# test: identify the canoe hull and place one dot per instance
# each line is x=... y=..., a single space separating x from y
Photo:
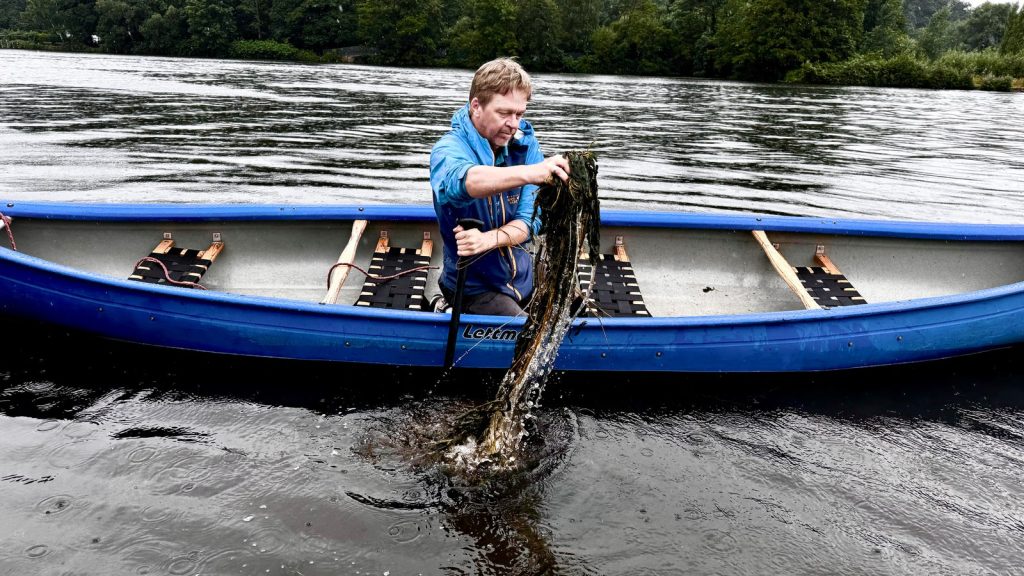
x=793 y=341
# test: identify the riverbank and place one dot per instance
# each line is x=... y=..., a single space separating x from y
x=238 y=50
x=952 y=71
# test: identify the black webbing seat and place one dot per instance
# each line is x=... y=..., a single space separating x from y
x=615 y=291
x=827 y=289
x=404 y=292
x=183 y=264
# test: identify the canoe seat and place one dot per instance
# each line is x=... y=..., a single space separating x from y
x=405 y=292
x=827 y=288
x=184 y=265
x=615 y=291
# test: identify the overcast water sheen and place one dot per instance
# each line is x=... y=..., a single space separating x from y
x=120 y=460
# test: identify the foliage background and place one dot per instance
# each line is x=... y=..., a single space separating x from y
x=888 y=42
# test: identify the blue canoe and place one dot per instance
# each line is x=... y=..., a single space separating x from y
x=698 y=293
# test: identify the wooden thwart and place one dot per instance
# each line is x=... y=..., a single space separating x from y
x=784 y=269
x=212 y=252
x=348 y=256
x=427 y=246
x=826 y=263
x=164 y=247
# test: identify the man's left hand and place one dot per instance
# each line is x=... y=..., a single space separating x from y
x=473 y=242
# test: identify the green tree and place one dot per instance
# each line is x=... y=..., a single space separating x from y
x=10 y=13
x=763 y=39
x=939 y=36
x=67 y=20
x=538 y=28
x=639 y=42
x=404 y=32
x=920 y=12
x=487 y=31
x=985 y=26
x=694 y=23
x=211 y=27
x=118 y=23
x=1013 y=38
x=579 y=18
x=252 y=18
x=885 y=28
x=165 y=32
x=311 y=24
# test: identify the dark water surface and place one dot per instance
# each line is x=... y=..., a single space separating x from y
x=119 y=460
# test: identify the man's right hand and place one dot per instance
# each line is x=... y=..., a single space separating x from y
x=552 y=167
x=484 y=181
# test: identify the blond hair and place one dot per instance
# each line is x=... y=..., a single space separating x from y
x=499 y=76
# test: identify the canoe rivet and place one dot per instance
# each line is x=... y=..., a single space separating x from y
x=658 y=354
x=100 y=308
x=899 y=338
x=603 y=355
x=347 y=344
x=360 y=208
x=10 y=204
x=403 y=346
x=850 y=344
x=151 y=318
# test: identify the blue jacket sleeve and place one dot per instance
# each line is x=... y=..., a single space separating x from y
x=528 y=197
x=448 y=166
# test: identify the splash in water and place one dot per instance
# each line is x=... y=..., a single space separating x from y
x=570 y=227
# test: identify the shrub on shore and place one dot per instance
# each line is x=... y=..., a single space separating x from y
x=985 y=62
x=31 y=40
x=269 y=50
x=997 y=83
x=986 y=70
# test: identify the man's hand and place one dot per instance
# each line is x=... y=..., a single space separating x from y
x=473 y=242
x=552 y=167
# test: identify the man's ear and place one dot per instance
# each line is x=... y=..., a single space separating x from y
x=474 y=106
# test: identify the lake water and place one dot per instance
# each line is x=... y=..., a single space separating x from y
x=120 y=460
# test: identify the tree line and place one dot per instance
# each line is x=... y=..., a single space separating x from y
x=744 y=39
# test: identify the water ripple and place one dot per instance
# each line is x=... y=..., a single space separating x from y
x=105 y=128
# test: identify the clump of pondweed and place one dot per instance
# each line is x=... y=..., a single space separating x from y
x=570 y=214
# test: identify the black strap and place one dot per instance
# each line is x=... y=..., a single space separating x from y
x=615 y=291
x=828 y=290
x=404 y=292
x=183 y=265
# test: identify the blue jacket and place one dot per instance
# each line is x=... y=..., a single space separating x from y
x=508 y=269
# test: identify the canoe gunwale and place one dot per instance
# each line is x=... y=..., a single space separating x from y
x=403 y=213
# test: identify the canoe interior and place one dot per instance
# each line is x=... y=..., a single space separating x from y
x=681 y=272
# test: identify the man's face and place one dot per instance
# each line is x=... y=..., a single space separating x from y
x=499 y=119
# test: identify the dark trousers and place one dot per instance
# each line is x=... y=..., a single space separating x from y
x=492 y=303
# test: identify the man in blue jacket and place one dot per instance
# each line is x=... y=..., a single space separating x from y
x=488 y=167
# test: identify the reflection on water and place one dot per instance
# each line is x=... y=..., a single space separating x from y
x=124 y=460
x=118 y=460
x=112 y=128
